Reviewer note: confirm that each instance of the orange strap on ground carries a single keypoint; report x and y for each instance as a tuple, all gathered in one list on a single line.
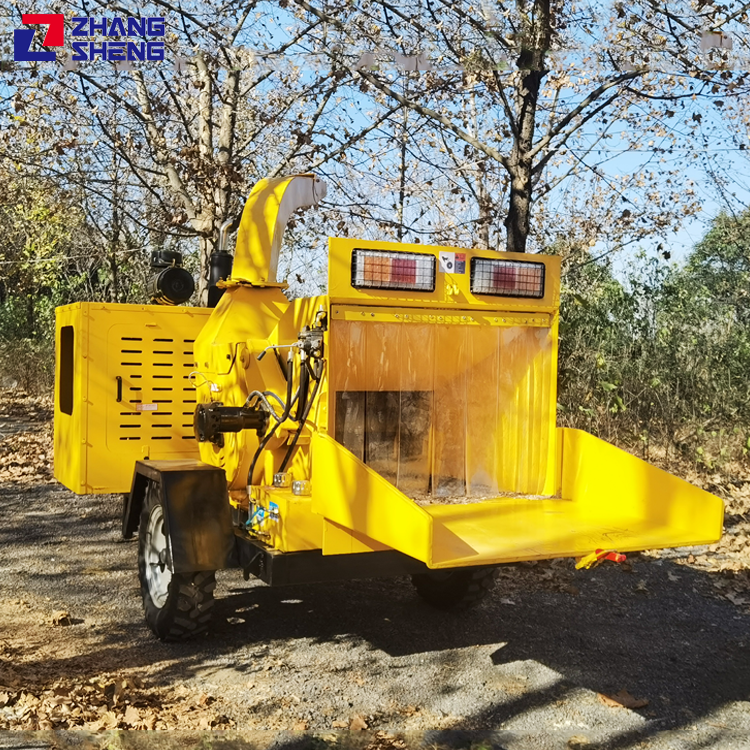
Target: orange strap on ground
[(592, 560)]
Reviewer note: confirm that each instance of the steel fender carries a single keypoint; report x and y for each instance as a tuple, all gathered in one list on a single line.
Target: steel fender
[(196, 511), (132, 504)]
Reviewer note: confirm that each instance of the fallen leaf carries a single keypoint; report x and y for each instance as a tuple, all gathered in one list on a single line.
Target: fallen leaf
[(640, 587), (299, 726), (149, 720), (622, 699), (578, 742), (357, 724), (340, 724), (61, 618), (109, 720), (735, 599), (132, 716)]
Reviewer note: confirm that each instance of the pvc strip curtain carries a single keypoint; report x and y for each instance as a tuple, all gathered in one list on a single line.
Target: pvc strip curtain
[(445, 410)]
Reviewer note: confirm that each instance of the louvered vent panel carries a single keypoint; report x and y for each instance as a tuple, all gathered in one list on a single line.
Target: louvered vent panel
[(157, 398)]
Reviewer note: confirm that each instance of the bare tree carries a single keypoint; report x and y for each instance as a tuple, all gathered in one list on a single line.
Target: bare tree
[(555, 82)]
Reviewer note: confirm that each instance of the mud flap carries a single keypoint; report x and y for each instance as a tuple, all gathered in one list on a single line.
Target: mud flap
[(196, 512)]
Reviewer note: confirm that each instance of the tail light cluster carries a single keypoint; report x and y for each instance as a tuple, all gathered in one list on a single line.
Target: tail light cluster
[(382, 269), (507, 278), (376, 269)]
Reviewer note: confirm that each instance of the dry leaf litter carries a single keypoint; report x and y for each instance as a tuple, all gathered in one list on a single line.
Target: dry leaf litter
[(32, 700)]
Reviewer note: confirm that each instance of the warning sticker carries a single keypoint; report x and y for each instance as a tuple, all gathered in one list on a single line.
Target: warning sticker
[(447, 262), (146, 407), (452, 262)]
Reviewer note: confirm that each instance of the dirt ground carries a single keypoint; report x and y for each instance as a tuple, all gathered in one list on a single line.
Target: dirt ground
[(651, 654)]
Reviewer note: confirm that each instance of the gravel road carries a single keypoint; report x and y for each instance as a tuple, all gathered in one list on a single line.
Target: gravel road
[(529, 669)]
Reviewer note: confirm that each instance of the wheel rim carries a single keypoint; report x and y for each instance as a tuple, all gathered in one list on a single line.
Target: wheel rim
[(158, 573)]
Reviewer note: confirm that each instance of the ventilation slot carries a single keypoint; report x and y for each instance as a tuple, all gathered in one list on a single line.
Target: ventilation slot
[(155, 387)]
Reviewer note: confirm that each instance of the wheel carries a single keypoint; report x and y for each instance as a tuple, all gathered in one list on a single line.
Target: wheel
[(457, 589), (177, 605)]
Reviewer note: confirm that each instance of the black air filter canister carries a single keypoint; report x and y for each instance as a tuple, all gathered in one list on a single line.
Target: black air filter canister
[(172, 285)]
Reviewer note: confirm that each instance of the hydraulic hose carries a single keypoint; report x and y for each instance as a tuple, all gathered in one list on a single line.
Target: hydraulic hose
[(285, 415), (302, 421), (304, 388)]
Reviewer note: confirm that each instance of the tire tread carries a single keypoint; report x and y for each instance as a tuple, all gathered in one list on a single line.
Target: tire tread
[(463, 589), (189, 607)]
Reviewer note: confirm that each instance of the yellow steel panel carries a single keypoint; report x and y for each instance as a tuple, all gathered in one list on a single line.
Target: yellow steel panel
[(470, 317), (338, 540), (149, 349), (608, 482), (452, 290), (347, 492), (296, 528), (71, 376), (610, 499)]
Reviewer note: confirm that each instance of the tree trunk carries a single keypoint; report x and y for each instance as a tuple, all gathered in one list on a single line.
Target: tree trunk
[(485, 204), (206, 245), (114, 242), (535, 43), (517, 221)]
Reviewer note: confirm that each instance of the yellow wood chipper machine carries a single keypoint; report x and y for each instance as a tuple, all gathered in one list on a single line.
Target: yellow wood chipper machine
[(404, 423)]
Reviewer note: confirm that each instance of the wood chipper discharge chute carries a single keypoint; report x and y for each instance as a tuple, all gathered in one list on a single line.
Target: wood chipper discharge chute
[(404, 422)]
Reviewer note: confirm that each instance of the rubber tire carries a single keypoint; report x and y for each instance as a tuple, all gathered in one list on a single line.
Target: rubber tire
[(188, 608), (457, 589)]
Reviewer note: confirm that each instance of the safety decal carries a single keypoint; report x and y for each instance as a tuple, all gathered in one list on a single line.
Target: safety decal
[(452, 262)]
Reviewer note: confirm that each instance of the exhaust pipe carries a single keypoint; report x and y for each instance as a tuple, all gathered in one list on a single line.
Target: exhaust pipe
[(220, 264)]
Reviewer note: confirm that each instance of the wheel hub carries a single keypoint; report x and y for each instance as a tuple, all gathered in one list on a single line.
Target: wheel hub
[(158, 571)]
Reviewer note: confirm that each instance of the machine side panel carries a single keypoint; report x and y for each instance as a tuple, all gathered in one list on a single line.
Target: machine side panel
[(70, 397), (132, 364), (452, 287)]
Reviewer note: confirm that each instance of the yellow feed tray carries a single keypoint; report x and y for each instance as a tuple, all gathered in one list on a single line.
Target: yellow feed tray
[(509, 530), (607, 499)]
